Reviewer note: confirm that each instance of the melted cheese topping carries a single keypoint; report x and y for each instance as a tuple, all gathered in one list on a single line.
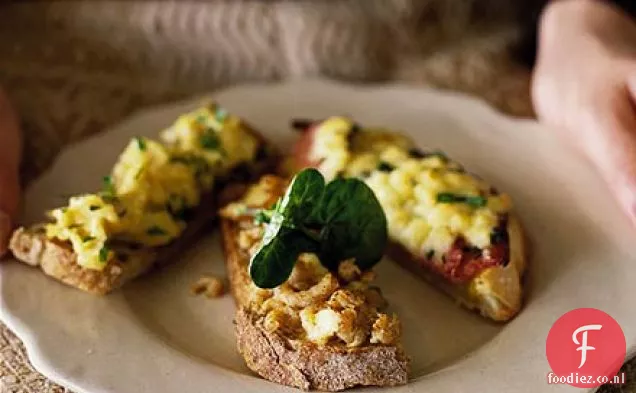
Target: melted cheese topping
[(428, 199), (152, 185)]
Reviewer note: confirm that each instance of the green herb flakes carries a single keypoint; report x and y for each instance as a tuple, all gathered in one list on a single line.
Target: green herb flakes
[(209, 140), (473, 201), (156, 231), (141, 143), (108, 187), (385, 166), (262, 217), (104, 253)]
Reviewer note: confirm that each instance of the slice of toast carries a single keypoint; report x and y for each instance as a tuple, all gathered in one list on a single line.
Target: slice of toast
[(495, 292), (57, 259), (299, 362), (337, 146)]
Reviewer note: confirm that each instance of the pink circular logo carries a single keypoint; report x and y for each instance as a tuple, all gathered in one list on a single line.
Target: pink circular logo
[(585, 348)]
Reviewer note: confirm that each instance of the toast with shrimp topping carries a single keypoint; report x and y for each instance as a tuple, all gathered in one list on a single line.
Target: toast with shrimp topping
[(309, 317)]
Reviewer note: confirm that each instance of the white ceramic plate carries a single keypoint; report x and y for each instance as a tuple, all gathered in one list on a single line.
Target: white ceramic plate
[(154, 337)]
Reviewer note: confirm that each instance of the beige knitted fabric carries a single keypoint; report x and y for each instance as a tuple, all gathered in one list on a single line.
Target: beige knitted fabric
[(73, 68)]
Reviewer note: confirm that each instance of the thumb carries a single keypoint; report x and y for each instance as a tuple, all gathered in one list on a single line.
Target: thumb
[(611, 145)]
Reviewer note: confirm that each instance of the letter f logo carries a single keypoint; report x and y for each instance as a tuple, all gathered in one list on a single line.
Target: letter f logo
[(583, 344)]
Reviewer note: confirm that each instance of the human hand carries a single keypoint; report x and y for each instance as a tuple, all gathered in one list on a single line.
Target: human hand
[(584, 85), (10, 149)]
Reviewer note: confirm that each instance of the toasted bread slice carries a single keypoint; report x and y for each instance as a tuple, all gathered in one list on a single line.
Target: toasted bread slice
[(316, 368), (58, 260), (298, 362), (496, 292), (489, 281)]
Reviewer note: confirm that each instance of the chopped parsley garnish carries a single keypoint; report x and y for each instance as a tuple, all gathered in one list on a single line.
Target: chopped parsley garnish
[(88, 238), (104, 253), (108, 188), (199, 164), (474, 201), (94, 207), (156, 231), (141, 143), (209, 140), (263, 217), (385, 166)]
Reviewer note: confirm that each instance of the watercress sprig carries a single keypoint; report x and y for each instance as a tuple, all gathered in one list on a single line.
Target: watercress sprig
[(337, 221)]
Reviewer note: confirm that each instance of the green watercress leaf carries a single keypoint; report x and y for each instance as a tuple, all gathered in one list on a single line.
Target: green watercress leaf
[(274, 261), (302, 196), (354, 224), (338, 221)]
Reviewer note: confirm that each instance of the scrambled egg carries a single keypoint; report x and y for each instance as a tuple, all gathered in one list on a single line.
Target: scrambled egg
[(428, 199), (153, 185)]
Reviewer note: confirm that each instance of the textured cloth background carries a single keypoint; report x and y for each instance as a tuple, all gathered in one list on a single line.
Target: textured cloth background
[(73, 68)]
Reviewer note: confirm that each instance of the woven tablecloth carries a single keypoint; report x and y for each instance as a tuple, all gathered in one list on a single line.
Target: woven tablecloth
[(74, 68)]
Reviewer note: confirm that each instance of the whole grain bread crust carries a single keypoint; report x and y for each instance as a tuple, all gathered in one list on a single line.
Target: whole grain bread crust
[(303, 365), (307, 367), (57, 259)]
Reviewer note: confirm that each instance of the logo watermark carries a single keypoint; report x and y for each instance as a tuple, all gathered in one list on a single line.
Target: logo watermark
[(585, 348), (586, 380)]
